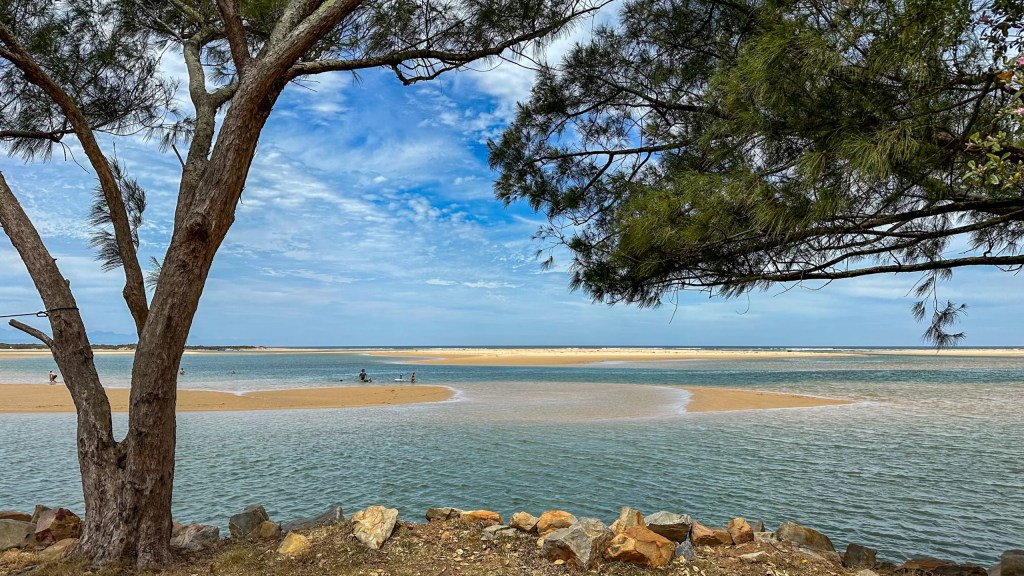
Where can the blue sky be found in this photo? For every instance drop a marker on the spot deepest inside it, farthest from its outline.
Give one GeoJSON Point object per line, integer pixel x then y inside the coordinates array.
{"type": "Point", "coordinates": [369, 219]}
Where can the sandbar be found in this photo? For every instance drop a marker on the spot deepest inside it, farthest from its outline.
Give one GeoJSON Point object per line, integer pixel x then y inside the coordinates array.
{"type": "Point", "coordinates": [571, 356]}
{"type": "Point", "coordinates": [38, 398]}
{"type": "Point", "coordinates": [708, 399]}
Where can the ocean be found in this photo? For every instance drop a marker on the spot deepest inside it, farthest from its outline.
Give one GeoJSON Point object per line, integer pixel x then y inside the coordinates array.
{"type": "Point", "coordinates": [927, 461]}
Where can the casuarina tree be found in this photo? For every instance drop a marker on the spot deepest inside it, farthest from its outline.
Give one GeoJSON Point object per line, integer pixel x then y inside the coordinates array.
{"type": "Point", "coordinates": [727, 146]}
{"type": "Point", "coordinates": [89, 71]}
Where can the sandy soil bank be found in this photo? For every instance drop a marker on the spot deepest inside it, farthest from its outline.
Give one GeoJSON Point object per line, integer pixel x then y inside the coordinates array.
{"type": "Point", "coordinates": [46, 398]}
{"type": "Point", "coordinates": [706, 399]}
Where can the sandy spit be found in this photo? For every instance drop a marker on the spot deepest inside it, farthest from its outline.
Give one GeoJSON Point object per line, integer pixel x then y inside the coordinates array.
{"type": "Point", "coordinates": [35, 398]}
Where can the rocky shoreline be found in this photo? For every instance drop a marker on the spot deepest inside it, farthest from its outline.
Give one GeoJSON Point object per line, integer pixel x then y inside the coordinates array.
{"type": "Point", "coordinates": [658, 542]}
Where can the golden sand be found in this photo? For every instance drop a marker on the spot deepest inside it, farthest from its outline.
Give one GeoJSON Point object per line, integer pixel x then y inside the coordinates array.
{"type": "Point", "coordinates": [703, 399]}
{"type": "Point", "coordinates": [47, 398]}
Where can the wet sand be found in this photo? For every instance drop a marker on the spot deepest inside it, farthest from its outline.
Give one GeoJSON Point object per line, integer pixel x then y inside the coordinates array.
{"type": "Point", "coordinates": [36, 398]}
{"type": "Point", "coordinates": [706, 399]}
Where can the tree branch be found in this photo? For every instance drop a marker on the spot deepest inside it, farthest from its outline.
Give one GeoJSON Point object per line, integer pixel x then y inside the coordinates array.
{"type": "Point", "coordinates": [235, 32]}
{"type": "Point", "coordinates": [34, 332]}
{"type": "Point", "coordinates": [134, 291]}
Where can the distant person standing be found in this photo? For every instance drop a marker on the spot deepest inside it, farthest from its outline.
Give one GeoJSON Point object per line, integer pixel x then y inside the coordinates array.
{"type": "Point", "coordinates": [53, 377]}
{"type": "Point", "coordinates": [412, 378]}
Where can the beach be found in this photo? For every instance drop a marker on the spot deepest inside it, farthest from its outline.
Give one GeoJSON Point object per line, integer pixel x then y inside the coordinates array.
{"type": "Point", "coordinates": [43, 398]}
{"type": "Point", "coordinates": [573, 356]}
{"type": "Point", "coordinates": [40, 398]}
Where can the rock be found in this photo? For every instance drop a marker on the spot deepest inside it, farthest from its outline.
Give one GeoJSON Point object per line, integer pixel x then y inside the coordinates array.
{"type": "Point", "coordinates": [38, 510]}
{"type": "Point", "coordinates": [580, 544]}
{"type": "Point", "coordinates": [58, 550]}
{"type": "Point", "coordinates": [937, 567]}
{"type": "Point", "coordinates": [636, 544]}
{"type": "Point", "coordinates": [332, 516]}
{"type": "Point", "coordinates": [442, 514]}
{"type": "Point", "coordinates": [480, 517]}
{"type": "Point", "coordinates": [866, 572]}
{"type": "Point", "coordinates": [294, 544]}
{"type": "Point", "coordinates": [765, 537]}
{"type": "Point", "coordinates": [553, 520]}
{"type": "Point", "coordinates": [757, 525]}
{"type": "Point", "coordinates": [701, 535]}
{"type": "Point", "coordinates": [960, 570]}
{"type": "Point", "coordinates": [196, 537]}
{"type": "Point", "coordinates": [803, 536]}
{"type": "Point", "coordinates": [16, 533]}
{"type": "Point", "coordinates": [523, 521]}
{"type": "Point", "coordinates": [247, 522]}
{"type": "Point", "coordinates": [374, 525]}
{"type": "Point", "coordinates": [268, 530]}
{"type": "Point", "coordinates": [685, 551]}
{"type": "Point", "coordinates": [56, 525]}
{"type": "Point", "coordinates": [740, 531]}
{"type": "Point", "coordinates": [1011, 563]}
{"type": "Point", "coordinates": [498, 532]}
{"type": "Point", "coordinates": [857, 556]}
{"type": "Point", "coordinates": [753, 557]}
{"type": "Point", "coordinates": [675, 527]}
{"type": "Point", "coordinates": [176, 528]}
{"type": "Point", "coordinates": [628, 518]}
{"type": "Point", "coordinates": [15, 515]}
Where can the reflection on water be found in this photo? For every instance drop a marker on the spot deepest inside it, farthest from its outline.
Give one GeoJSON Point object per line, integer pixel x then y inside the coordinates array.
{"type": "Point", "coordinates": [930, 450]}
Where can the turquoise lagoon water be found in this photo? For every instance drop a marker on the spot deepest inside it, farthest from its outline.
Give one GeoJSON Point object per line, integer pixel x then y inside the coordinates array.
{"type": "Point", "coordinates": [927, 461]}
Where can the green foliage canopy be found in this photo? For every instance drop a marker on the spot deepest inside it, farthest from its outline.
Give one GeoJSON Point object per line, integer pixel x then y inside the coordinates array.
{"type": "Point", "coordinates": [727, 146]}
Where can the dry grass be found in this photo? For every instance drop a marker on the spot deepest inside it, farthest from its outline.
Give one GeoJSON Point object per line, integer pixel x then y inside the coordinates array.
{"type": "Point", "coordinates": [437, 549]}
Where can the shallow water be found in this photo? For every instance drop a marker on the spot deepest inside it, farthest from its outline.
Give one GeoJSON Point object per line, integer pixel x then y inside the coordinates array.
{"type": "Point", "coordinates": [926, 462]}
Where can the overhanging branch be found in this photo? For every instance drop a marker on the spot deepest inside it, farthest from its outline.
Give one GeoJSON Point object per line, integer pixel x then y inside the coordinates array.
{"type": "Point", "coordinates": [33, 332]}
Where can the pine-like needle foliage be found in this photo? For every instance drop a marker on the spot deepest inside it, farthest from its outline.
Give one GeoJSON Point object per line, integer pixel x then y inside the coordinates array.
{"type": "Point", "coordinates": [726, 146]}
{"type": "Point", "coordinates": [101, 58]}
{"type": "Point", "coordinates": [99, 217]}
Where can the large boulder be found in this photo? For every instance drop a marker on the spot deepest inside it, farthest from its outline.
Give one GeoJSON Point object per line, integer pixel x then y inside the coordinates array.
{"type": "Point", "coordinates": [374, 525]}
{"type": "Point", "coordinates": [675, 527]}
{"type": "Point", "coordinates": [246, 523]}
{"type": "Point", "coordinates": [581, 544]}
{"type": "Point", "coordinates": [58, 550]}
{"type": "Point", "coordinates": [740, 531]}
{"type": "Point", "coordinates": [1011, 563]}
{"type": "Point", "coordinates": [16, 533]}
{"type": "Point", "coordinates": [293, 545]}
{"type": "Point", "coordinates": [523, 521]}
{"type": "Point", "coordinates": [196, 537]}
{"type": "Point", "coordinates": [635, 543]}
{"type": "Point", "coordinates": [58, 524]}
{"type": "Point", "coordinates": [485, 517]}
{"type": "Point", "coordinates": [442, 514]}
{"type": "Point", "coordinates": [330, 517]}
{"type": "Point", "coordinates": [552, 520]}
{"type": "Point", "coordinates": [15, 515]}
{"type": "Point", "coordinates": [803, 536]}
{"type": "Point", "coordinates": [857, 556]}
{"type": "Point", "coordinates": [701, 535]}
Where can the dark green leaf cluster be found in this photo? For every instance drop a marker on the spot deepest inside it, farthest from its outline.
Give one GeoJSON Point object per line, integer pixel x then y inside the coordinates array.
{"type": "Point", "coordinates": [100, 58]}
{"type": "Point", "coordinates": [729, 145]}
